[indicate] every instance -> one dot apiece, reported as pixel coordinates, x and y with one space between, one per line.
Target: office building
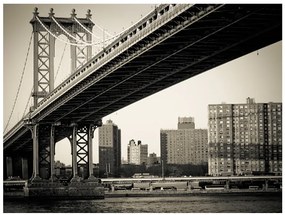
245 138
137 153
109 148
186 145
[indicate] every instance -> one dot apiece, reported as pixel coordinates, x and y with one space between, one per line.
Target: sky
257 75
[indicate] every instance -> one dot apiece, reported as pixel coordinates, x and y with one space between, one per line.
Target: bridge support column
25 168
52 152
90 152
35 135
75 177
9 166
82 152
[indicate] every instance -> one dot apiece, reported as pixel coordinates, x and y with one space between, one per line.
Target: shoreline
117 194
163 193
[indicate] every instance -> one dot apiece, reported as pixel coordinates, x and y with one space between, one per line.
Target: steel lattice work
45 29
82 149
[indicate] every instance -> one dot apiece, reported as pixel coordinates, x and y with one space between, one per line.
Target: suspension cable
21 80
28 102
104 30
65 31
69 43
86 29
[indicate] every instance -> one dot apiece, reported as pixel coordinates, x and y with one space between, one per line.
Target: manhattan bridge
172 43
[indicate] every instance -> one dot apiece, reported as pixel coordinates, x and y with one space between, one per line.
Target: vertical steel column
89 48
51 62
89 36
36 67
90 151
24 165
35 151
73 47
52 150
74 153
9 166
24 168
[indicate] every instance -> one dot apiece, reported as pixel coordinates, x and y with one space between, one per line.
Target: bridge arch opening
63 159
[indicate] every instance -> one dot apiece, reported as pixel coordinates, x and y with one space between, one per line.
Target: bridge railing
14 129
101 58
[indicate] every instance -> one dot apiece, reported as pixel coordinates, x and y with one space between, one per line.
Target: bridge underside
229 32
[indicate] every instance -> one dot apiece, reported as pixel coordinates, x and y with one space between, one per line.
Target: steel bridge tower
45 135
44 48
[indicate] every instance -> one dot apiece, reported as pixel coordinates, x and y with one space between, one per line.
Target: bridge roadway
169 45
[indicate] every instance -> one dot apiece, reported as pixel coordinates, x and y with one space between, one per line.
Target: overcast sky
257 75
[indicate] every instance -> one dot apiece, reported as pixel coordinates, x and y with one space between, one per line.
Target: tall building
109 148
245 138
137 153
186 145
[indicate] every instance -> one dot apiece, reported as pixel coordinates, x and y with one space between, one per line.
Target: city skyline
257 75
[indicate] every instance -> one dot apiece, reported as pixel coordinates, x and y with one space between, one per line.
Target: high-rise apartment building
186 145
245 138
137 153
109 148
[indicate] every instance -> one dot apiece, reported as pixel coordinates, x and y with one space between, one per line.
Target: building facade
186 145
109 148
245 138
152 159
137 153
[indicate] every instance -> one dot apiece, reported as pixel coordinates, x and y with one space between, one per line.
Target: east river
238 203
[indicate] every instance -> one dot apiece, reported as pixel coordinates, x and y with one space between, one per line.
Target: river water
266 203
